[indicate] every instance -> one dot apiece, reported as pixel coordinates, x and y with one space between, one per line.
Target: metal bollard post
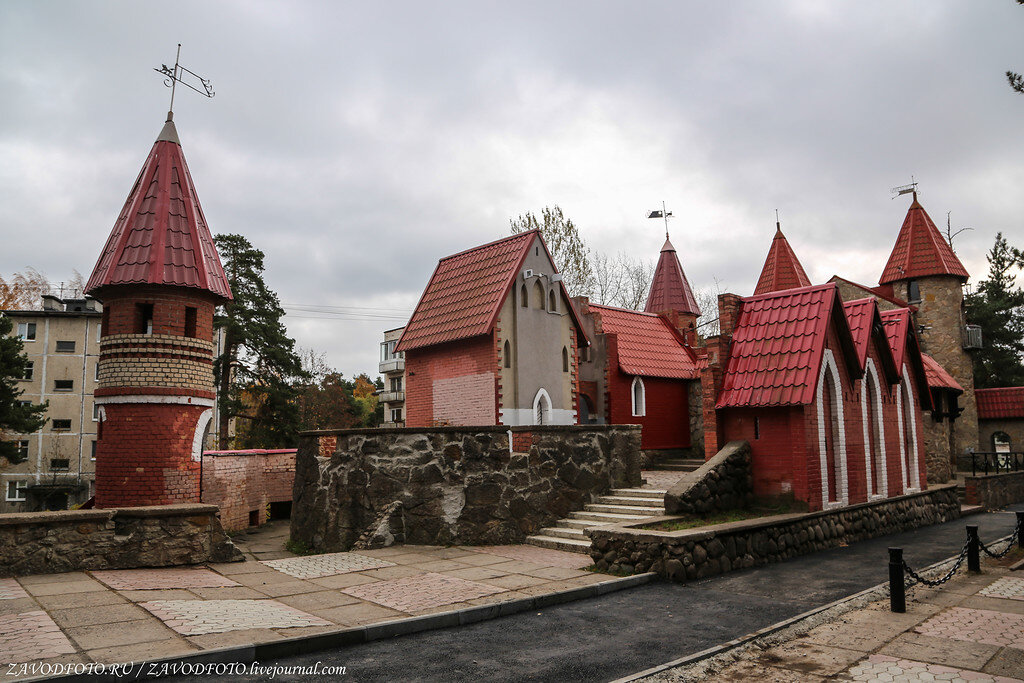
897 590
973 549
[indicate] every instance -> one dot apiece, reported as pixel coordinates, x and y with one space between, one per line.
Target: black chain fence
903 576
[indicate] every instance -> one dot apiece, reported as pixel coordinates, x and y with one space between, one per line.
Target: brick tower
671 294
924 270
159 278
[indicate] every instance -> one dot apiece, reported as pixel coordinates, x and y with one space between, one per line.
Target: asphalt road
621 633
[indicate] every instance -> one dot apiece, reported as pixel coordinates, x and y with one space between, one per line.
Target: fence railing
902 576
994 463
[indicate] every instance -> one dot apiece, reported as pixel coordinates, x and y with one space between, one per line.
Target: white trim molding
829 369
197 438
871 375
545 408
155 398
905 412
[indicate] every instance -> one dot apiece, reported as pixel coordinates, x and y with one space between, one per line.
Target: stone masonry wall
723 483
117 538
994 491
1013 428
697 553
455 484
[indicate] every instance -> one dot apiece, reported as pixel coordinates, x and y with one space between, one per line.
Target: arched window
552 303
1001 442
542 408
538 295
506 352
639 396
874 432
831 434
524 297
565 359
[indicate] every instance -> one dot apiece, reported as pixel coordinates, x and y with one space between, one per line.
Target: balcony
972 337
392 365
391 396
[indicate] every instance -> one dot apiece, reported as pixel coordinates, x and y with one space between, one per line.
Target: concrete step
632 501
603 517
632 510
581 547
672 467
580 523
563 532
638 493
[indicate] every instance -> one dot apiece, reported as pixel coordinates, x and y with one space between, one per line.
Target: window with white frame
396 414
639 397
29 368
27 331
95 412
23 449
17 490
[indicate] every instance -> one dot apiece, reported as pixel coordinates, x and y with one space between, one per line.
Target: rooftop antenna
662 214
905 189
778 226
178 75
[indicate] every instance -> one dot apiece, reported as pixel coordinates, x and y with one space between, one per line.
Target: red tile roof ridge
877 292
624 310
1000 402
781 267
509 238
788 292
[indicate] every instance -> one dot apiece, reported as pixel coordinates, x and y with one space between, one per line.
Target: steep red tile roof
466 291
161 236
1002 403
648 345
865 321
778 345
920 250
937 376
782 269
905 349
670 290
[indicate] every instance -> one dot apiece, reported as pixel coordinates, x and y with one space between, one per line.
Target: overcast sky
356 144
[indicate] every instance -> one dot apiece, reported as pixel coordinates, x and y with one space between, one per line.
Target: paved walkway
971 629
137 614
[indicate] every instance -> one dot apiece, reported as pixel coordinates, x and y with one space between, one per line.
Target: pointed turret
782 269
920 250
161 236
670 290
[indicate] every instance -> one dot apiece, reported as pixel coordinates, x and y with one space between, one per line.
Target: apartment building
392 368
62 345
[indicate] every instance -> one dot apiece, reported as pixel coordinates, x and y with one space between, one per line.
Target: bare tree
637 275
707 300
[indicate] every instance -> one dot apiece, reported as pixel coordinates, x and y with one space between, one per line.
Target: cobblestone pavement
415 593
660 480
977 625
1011 589
11 589
31 636
317 566
156 579
884 668
196 617
540 556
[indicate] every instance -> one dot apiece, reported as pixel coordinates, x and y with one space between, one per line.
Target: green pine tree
998 308
15 416
258 366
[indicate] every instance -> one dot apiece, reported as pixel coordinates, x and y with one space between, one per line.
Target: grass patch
766 509
300 548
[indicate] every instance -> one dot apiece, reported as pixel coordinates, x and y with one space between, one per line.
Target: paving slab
317 566
540 557
142 651
887 668
976 625
95 598
122 633
421 592
1007 587
103 614
157 579
10 589
358 614
31 636
63 588
198 617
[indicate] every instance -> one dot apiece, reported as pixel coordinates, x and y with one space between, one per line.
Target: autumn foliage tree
329 401
570 254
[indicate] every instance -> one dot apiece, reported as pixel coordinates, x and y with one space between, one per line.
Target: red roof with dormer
864 320
920 250
464 295
161 236
778 345
670 290
782 269
1001 403
648 345
905 350
937 376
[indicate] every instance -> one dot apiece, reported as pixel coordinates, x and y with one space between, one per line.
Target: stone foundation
722 483
994 491
697 553
114 538
454 485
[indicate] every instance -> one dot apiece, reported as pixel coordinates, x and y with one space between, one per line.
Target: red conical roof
670 290
782 269
920 250
161 236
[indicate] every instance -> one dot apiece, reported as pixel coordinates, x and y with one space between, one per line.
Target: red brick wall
241 482
449 361
169 303
144 456
667 420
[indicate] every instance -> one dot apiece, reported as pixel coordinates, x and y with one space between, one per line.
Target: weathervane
661 214
905 189
178 75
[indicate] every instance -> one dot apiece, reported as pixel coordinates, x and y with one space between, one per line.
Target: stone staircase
621 505
679 464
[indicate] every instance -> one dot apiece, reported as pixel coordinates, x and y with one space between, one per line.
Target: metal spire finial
662 214
177 75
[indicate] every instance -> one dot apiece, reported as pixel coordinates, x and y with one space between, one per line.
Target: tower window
507 353
190 321
552 306
913 291
144 318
